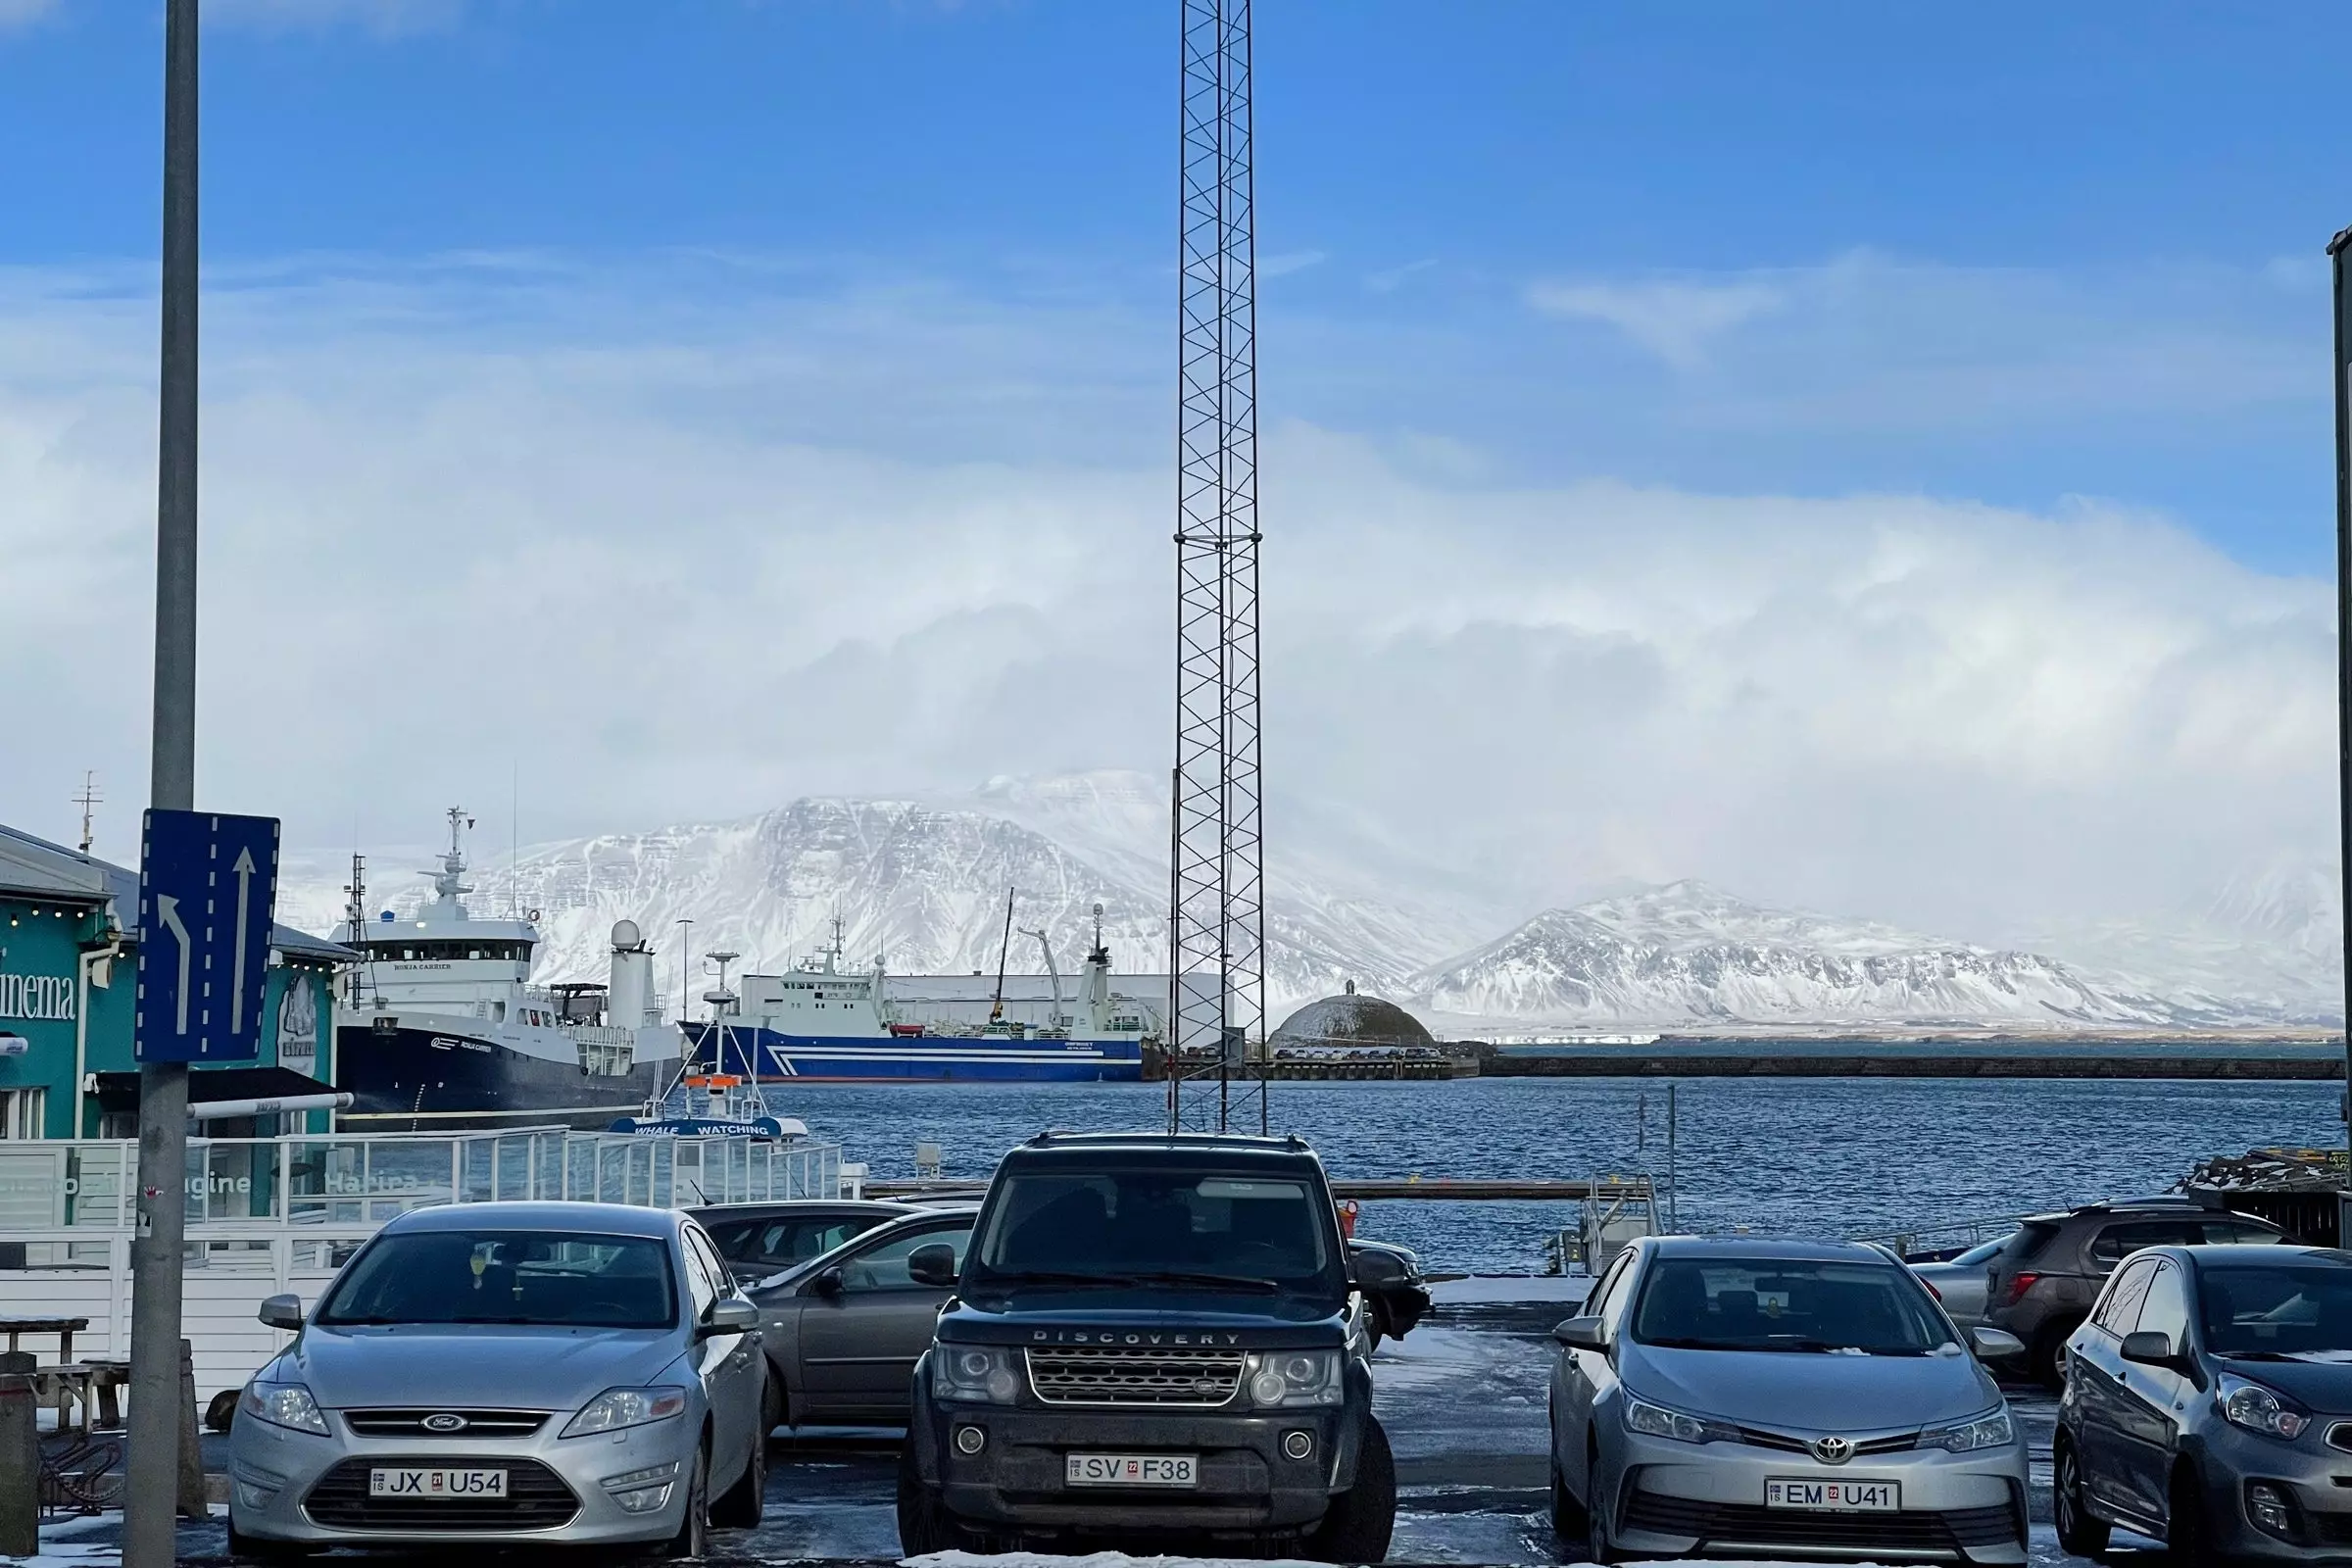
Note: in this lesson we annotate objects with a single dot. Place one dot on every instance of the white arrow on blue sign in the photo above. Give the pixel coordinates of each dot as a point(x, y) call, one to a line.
point(208, 889)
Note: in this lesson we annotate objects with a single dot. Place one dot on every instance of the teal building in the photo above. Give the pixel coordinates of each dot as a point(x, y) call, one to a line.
point(69, 974)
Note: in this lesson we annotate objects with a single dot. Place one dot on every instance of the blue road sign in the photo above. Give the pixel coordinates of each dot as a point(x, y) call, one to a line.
point(208, 884)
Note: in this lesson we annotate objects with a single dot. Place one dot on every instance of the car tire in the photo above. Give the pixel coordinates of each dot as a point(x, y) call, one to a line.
point(1599, 1548)
point(1357, 1526)
point(2049, 1355)
point(745, 1502)
point(1569, 1521)
point(2188, 1527)
point(246, 1548)
point(775, 1409)
point(2079, 1533)
point(925, 1525)
point(692, 1539)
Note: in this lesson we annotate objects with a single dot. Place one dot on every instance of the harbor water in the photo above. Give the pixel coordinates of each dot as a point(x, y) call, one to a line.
point(1802, 1156)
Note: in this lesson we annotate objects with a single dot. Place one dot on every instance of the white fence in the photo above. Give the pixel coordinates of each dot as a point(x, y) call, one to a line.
point(228, 1275)
point(273, 1216)
point(369, 1177)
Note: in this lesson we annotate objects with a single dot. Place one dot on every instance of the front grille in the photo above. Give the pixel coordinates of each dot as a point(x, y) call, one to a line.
point(1126, 1375)
point(412, 1423)
point(1741, 1524)
point(1758, 1437)
point(2339, 1436)
point(535, 1498)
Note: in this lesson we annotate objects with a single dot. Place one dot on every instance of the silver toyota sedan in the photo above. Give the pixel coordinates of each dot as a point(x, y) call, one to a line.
point(1746, 1397)
point(494, 1373)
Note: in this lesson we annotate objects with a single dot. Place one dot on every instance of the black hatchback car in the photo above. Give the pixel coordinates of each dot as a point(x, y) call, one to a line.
point(2041, 1286)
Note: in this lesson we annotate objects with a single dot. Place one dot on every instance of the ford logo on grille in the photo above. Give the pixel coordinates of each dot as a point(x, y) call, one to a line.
point(1833, 1450)
point(443, 1421)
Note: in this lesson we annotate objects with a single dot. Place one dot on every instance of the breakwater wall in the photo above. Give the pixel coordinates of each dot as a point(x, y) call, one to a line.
point(1911, 1064)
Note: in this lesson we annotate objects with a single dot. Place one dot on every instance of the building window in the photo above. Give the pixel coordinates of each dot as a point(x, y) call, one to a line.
point(24, 1113)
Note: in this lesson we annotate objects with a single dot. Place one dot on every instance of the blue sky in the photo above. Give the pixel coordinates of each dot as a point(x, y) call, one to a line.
point(1868, 456)
point(2040, 188)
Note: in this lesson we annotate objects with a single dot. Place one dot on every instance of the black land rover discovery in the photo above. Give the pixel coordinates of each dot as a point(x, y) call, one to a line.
point(1152, 1336)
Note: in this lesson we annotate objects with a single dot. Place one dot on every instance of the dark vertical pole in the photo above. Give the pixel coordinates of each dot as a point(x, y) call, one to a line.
point(157, 1422)
point(2341, 373)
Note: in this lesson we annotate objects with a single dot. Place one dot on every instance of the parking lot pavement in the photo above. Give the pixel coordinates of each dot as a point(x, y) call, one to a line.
point(1462, 1398)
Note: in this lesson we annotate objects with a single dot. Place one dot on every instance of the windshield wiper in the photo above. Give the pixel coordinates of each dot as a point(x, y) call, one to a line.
point(1215, 1281)
point(1049, 1276)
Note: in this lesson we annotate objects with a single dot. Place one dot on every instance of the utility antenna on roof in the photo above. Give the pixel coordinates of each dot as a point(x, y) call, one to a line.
point(88, 797)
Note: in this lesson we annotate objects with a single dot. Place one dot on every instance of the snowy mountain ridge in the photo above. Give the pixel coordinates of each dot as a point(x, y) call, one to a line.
point(920, 882)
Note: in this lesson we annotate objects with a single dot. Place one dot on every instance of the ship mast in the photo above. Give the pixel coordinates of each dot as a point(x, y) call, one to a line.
point(996, 1011)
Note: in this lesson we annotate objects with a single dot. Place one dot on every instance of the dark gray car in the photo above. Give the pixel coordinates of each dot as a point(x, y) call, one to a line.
point(759, 1241)
point(2042, 1284)
point(843, 1331)
point(2209, 1403)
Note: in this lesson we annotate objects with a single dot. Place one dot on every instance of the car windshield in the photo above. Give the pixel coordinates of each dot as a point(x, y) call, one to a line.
point(1161, 1226)
point(1786, 1305)
point(2277, 1310)
point(552, 1277)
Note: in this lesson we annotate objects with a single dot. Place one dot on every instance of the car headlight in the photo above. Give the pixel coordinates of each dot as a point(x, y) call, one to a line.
point(2260, 1409)
point(982, 1372)
point(1994, 1431)
point(282, 1404)
point(1656, 1421)
point(616, 1408)
point(1277, 1379)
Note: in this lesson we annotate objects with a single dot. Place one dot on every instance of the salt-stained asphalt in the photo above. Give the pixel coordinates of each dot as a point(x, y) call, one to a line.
point(1462, 1398)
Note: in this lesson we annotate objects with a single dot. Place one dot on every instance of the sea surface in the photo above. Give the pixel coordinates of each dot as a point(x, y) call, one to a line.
point(1791, 1156)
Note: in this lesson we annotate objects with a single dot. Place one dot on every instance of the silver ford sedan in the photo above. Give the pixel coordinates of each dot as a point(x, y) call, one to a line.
point(495, 1373)
point(1745, 1398)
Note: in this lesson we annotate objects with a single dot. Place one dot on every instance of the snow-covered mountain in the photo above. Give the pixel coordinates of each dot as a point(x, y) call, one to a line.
point(1688, 955)
point(2270, 939)
point(920, 883)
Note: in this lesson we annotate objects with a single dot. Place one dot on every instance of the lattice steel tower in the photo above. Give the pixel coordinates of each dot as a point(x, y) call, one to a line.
point(1217, 985)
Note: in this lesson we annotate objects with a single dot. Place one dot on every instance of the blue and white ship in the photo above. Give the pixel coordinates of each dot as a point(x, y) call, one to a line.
point(820, 1022)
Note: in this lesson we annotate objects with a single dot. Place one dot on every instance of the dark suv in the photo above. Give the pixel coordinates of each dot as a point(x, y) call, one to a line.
point(2041, 1286)
point(1152, 1336)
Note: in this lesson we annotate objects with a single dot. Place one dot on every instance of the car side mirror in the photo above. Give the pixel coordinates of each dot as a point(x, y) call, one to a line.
point(1581, 1334)
point(282, 1312)
point(2148, 1347)
point(1994, 1344)
point(934, 1266)
point(827, 1282)
point(1377, 1270)
point(729, 1314)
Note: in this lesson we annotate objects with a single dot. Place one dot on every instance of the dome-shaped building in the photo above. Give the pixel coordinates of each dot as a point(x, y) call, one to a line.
point(1352, 1019)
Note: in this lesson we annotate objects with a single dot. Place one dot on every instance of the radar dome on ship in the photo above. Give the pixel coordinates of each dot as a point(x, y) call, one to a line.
point(625, 934)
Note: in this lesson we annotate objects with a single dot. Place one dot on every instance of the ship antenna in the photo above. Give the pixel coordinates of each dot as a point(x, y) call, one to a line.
point(996, 1011)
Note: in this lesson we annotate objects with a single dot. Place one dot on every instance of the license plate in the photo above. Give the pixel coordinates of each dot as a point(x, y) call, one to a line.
point(436, 1483)
point(1132, 1469)
point(1835, 1497)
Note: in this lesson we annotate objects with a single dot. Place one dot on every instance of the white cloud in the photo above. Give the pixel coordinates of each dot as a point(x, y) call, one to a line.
point(1289, 261)
point(21, 12)
point(1673, 321)
point(676, 550)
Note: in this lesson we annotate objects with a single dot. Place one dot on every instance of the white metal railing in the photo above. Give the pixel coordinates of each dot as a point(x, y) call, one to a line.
point(363, 1178)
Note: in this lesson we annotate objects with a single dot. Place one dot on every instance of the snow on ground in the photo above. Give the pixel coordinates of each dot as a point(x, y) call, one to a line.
point(1569, 1288)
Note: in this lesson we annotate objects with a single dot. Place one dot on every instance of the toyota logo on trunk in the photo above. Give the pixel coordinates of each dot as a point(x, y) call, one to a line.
point(443, 1423)
point(1832, 1450)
